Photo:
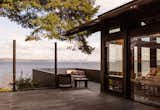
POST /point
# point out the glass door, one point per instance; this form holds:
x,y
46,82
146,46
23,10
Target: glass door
x,y
146,82
115,65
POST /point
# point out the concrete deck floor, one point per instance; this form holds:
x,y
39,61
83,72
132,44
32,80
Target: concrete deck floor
x,y
60,99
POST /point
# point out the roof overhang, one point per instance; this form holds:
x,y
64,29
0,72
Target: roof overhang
x,y
135,10
90,26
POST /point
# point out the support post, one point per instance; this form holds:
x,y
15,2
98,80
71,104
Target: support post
x,y
104,56
153,55
14,65
128,25
132,61
139,58
127,60
132,71
127,66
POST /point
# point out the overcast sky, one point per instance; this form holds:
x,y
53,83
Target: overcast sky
x,y
44,49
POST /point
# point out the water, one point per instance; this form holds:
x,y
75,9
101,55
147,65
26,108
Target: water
x,y
24,68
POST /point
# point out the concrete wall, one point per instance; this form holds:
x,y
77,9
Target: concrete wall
x,y
93,75
45,78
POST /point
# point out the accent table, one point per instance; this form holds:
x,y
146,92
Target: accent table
x,y
78,80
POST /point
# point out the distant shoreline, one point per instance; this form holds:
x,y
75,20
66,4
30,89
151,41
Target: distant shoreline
x,y
52,60
48,60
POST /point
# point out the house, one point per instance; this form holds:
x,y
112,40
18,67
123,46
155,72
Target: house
x,y
132,27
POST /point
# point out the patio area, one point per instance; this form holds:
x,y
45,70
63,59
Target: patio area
x,y
67,99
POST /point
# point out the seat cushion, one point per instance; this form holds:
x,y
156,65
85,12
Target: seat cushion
x,y
75,72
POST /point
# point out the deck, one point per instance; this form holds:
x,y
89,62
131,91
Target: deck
x,y
67,99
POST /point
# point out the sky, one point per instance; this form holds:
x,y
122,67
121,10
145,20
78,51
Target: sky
x,y
44,49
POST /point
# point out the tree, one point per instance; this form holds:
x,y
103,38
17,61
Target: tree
x,y
51,18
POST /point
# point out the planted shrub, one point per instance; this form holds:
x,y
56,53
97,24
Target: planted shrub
x,y
26,83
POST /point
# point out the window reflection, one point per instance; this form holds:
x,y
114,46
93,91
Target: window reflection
x,y
147,69
115,65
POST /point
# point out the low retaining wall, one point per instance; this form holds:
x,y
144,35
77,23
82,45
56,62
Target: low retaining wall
x,y
46,78
43,78
93,75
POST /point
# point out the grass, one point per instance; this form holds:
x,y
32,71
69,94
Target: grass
x,y
5,90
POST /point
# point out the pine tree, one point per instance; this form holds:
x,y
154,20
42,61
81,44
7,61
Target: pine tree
x,y
51,18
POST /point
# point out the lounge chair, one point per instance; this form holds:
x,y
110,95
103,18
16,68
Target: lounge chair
x,y
76,73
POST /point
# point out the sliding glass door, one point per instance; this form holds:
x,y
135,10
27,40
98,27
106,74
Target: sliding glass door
x,y
146,82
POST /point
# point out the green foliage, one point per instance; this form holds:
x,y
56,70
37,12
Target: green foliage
x,y
26,83
51,18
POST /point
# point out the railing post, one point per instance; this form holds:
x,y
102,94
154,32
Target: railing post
x,y
55,64
14,65
55,59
